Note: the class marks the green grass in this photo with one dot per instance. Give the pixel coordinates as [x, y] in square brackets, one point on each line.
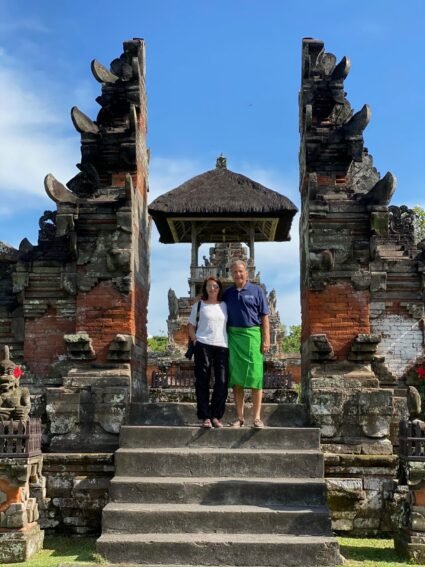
[371, 553]
[81, 551]
[61, 549]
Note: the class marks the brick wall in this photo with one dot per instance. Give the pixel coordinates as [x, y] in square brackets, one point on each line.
[44, 342]
[104, 312]
[339, 311]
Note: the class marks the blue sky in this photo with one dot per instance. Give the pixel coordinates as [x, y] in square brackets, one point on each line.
[222, 76]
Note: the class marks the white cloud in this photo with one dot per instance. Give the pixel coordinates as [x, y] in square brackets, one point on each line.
[36, 138]
[22, 25]
[32, 139]
[167, 173]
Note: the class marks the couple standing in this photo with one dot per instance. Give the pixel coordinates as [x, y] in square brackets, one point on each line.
[230, 332]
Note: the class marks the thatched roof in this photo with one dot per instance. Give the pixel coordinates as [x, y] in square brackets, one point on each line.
[221, 193]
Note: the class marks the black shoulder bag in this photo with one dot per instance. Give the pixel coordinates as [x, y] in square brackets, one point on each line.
[190, 346]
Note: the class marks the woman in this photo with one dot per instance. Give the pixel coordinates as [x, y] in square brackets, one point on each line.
[207, 329]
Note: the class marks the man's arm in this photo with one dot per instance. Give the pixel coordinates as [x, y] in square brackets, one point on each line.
[265, 334]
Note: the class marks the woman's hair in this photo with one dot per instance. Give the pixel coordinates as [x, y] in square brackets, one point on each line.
[204, 292]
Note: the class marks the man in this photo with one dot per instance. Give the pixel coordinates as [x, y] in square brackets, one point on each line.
[249, 339]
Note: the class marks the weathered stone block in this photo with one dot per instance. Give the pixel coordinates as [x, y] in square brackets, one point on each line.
[327, 403]
[19, 545]
[376, 402]
[375, 426]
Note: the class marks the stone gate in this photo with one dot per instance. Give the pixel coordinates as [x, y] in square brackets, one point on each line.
[74, 306]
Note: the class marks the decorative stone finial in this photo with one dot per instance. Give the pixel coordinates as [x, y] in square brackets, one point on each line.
[221, 162]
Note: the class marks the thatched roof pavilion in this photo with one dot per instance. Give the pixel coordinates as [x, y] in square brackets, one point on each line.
[222, 206]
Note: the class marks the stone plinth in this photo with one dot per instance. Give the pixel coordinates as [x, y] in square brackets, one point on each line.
[17, 546]
[77, 489]
[21, 485]
[361, 492]
[87, 412]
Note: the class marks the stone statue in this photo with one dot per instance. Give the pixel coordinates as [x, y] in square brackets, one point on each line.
[15, 401]
[414, 404]
[173, 304]
[272, 301]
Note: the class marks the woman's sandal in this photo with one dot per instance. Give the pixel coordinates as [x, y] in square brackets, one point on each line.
[206, 424]
[237, 422]
[258, 424]
[216, 423]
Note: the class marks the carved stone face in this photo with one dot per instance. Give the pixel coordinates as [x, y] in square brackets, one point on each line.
[7, 379]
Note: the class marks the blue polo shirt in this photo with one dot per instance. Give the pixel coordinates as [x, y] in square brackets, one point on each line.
[246, 306]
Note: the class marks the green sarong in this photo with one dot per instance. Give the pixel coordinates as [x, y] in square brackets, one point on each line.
[245, 357]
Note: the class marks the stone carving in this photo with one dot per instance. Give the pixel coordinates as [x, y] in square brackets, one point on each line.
[79, 346]
[341, 70]
[47, 224]
[414, 403]
[57, 191]
[221, 162]
[381, 192]
[83, 123]
[173, 305]
[357, 123]
[14, 400]
[271, 300]
[120, 348]
[320, 348]
[101, 73]
[323, 260]
[402, 220]
[364, 348]
[85, 183]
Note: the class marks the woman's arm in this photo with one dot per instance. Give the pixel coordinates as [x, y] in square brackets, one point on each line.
[191, 330]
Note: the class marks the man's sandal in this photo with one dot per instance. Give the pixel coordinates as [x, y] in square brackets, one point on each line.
[237, 422]
[258, 424]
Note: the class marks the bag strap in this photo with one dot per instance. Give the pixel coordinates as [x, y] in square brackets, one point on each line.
[197, 315]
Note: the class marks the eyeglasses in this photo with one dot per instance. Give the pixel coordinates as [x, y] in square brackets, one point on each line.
[213, 286]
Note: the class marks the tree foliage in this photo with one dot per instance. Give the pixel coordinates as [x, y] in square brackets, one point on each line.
[291, 341]
[158, 343]
[419, 223]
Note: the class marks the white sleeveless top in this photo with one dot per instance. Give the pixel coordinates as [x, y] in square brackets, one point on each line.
[212, 323]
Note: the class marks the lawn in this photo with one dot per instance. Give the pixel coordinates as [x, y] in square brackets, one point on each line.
[61, 549]
[371, 553]
[81, 551]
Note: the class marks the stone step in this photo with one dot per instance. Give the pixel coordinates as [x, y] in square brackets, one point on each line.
[247, 550]
[227, 437]
[219, 462]
[179, 413]
[219, 491]
[196, 518]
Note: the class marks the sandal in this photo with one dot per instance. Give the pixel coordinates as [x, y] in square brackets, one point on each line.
[216, 423]
[206, 424]
[237, 422]
[258, 424]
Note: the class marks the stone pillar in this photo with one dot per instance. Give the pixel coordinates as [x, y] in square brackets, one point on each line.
[361, 290]
[82, 291]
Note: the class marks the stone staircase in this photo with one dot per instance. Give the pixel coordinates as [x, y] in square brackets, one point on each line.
[188, 496]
